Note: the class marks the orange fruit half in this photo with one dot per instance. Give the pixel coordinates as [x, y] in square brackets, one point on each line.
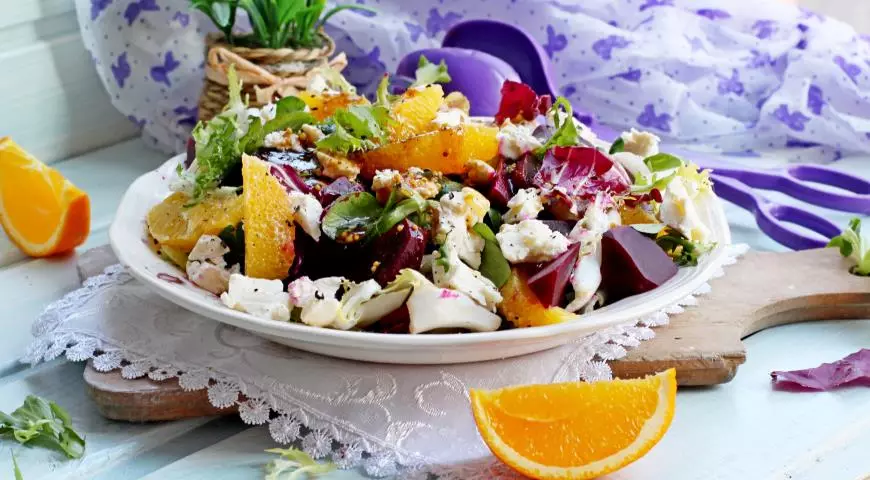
[575, 430]
[42, 212]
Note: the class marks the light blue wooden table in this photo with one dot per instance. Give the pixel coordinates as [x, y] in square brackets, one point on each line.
[53, 104]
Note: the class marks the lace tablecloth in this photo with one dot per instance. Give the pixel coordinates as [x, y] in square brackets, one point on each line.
[387, 419]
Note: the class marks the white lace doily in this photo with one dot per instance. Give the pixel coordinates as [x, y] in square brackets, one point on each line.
[384, 418]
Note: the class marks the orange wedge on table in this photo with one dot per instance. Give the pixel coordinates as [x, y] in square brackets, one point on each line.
[42, 212]
[575, 430]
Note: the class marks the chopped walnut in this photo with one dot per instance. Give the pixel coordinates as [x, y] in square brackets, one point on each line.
[457, 100]
[337, 166]
[283, 140]
[417, 180]
[479, 172]
[310, 135]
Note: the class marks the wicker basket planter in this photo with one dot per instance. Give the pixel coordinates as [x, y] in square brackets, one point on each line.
[266, 73]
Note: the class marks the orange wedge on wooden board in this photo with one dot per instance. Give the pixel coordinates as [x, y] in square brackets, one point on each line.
[575, 430]
[42, 212]
[269, 227]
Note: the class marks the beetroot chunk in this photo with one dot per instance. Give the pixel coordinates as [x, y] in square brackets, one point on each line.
[552, 277]
[502, 189]
[523, 174]
[401, 247]
[632, 264]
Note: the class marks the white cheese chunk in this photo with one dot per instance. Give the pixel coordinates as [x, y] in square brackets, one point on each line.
[516, 140]
[452, 273]
[307, 211]
[525, 205]
[458, 213]
[206, 266]
[643, 144]
[261, 298]
[530, 241]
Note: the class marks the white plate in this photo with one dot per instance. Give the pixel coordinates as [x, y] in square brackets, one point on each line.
[127, 236]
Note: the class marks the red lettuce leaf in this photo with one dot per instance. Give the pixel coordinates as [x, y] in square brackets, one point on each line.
[518, 100]
[289, 178]
[855, 368]
[579, 174]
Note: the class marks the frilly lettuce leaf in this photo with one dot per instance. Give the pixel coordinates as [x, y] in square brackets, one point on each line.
[428, 73]
[566, 133]
[357, 128]
[294, 464]
[854, 244]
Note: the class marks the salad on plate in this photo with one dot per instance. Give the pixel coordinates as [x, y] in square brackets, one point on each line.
[403, 214]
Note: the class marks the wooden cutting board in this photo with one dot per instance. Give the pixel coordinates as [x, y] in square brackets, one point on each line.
[703, 343]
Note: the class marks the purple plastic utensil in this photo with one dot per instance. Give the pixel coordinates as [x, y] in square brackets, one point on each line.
[514, 46]
[469, 69]
[519, 49]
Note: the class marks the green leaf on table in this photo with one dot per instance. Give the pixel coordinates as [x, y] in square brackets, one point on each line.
[854, 244]
[566, 133]
[493, 265]
[294, 464]
[428, 73]
[39, 422]
[15, 470]
[661, 162]
[617, 146]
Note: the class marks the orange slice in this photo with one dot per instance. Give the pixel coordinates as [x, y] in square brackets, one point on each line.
[42, 212]
[447, 151]
[415, 111]
[521, 306]
[175, 223]
[269, 227]
[575, 430]
[324, 105]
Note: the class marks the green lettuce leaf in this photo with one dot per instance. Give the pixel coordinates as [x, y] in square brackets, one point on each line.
[493, 265]
[289, 113]
[617, 146]
[355, 212]
[294, 464]
[15, 470]
[662, 162]
[854, 244]
[357, 128]
[428, 73]
[566, 133]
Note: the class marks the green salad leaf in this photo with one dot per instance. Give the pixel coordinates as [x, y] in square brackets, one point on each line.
[617, 146]
[289, 113]
[294, 464]
[357, 128]
[428, 73]
[234, 238]
[493, 219]
[395, 213]
[684, 251]
[336, 80]
[662, 162]
[566, 133]
[854, 244]
[493, 265]
[42, 423]
[355, 212]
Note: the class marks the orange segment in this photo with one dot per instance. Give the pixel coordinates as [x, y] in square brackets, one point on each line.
[575, 430]
[446, 151]
[269, 227]
[174, 223]
[521, 306]
[415, 111]
[323, 105]
[42, 212]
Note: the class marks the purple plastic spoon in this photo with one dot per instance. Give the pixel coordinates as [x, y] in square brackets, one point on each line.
[469, 71]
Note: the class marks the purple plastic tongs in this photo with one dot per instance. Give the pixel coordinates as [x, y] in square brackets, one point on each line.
[517, 49]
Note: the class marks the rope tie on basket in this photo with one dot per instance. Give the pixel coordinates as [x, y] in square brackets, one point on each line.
[266, 84]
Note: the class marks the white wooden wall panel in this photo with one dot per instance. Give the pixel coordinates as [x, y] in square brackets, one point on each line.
[52, 101]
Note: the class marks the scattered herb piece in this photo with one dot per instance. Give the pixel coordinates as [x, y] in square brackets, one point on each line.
[566, 134]
[493, 265]
[853, 368]
[617, 146]
[42, 423]
[234, 238]
[294, 464]
[353, 212]
[15, 469]
[855, 245]
[428, 73]
[442, 259]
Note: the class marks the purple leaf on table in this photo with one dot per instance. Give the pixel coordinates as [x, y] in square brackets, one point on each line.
[853, 369]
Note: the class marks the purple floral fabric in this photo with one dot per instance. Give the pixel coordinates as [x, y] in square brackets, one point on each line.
[736, 77]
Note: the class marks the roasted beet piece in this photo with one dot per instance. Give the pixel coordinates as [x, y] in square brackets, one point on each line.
[632, 263]
[523, 173]
[548, 280]
[328, 258]
[338, 188]
[502, 188]
[401, 247]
